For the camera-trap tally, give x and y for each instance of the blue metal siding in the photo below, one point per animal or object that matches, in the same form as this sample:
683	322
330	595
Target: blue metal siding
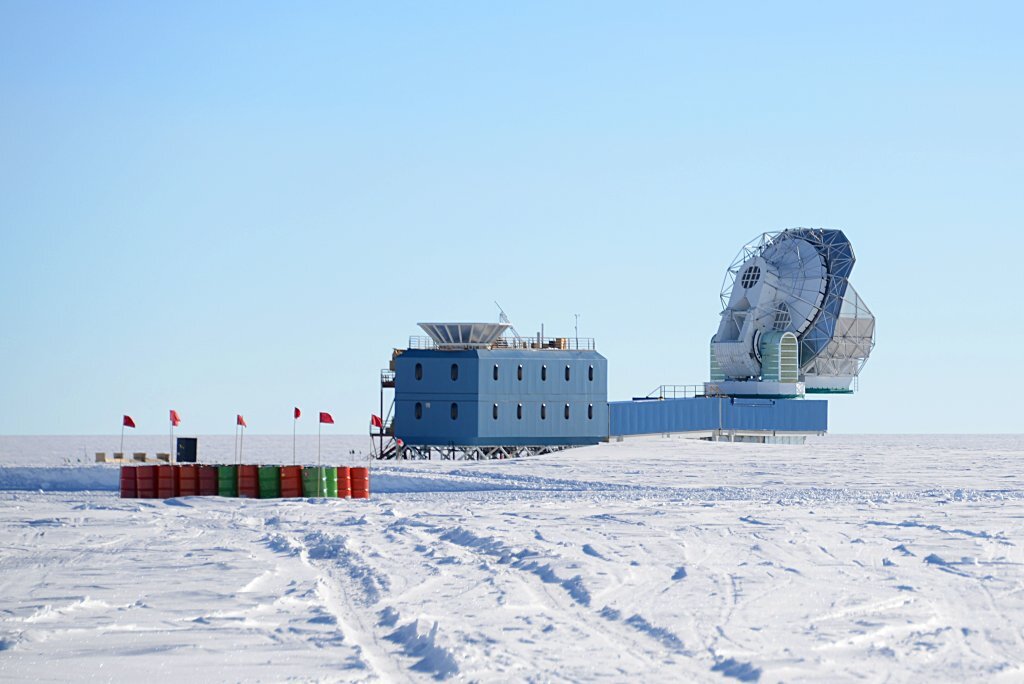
701	413
436	424
436	373
436	391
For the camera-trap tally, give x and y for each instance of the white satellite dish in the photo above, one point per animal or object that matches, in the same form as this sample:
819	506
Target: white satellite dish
788	285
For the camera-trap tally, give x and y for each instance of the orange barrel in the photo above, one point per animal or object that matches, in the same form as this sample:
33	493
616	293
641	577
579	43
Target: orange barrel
207	479
249	481
291	482
188	480
360	478
129	485
145	479
344	483
166	481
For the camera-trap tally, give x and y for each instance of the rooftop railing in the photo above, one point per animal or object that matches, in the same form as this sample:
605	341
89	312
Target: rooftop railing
538	343
679	392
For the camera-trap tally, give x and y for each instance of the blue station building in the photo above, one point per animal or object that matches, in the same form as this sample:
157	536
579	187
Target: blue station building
467	388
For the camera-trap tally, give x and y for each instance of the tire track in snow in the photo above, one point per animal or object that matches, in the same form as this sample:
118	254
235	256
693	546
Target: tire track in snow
331	589
524	560
563	613
614	628
352	588
481	637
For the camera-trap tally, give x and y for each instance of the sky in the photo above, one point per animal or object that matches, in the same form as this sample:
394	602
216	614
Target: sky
241	207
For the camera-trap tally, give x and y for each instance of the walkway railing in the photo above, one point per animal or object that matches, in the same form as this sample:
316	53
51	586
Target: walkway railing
678	392
539	343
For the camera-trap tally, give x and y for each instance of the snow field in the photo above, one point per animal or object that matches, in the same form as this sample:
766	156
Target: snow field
654	559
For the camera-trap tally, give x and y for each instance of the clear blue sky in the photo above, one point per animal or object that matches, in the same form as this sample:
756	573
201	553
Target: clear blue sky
236	207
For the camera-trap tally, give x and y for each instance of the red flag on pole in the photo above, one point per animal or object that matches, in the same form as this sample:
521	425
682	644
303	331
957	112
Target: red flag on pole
326	418
175	418
399	442
128	422
375	421
297	413
239	420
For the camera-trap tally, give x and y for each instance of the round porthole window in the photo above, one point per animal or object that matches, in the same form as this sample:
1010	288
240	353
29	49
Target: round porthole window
750	277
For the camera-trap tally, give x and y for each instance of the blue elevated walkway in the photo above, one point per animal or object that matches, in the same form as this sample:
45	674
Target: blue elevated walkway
701	414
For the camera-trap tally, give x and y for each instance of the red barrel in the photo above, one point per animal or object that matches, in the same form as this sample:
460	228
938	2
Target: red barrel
145	478
207	478
249	481
167	481
188	480
291	482
344	483
129	484
360	478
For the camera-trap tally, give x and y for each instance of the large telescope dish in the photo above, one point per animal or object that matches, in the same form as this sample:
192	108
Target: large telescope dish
793	281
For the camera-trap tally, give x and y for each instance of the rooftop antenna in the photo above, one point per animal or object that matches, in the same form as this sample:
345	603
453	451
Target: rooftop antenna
503	318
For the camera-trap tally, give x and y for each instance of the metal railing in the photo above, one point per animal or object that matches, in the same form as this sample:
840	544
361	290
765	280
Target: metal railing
539	343
677	392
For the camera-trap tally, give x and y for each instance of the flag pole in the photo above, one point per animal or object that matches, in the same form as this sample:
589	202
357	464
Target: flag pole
122	438
319	470
170	446
234	452
295	422
241	443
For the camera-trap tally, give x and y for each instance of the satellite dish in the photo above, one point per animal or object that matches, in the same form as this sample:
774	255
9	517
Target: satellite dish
792	283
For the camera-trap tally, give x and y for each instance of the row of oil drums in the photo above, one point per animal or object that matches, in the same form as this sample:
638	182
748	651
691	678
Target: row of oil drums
247	481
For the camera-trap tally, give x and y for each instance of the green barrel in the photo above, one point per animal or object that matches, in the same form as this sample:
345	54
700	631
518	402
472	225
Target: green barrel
270	482
324	478
331	475
227	480
310	476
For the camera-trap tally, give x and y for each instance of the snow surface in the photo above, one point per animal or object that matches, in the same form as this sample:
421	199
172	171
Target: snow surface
655	559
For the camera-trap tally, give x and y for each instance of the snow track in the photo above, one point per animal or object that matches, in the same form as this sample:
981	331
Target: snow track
550	569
